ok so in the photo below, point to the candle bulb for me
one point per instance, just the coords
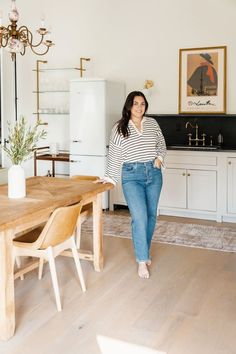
(42, 21)
(49, 33)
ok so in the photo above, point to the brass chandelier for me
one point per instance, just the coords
(16, 40)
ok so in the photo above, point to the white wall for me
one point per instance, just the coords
(130, 41)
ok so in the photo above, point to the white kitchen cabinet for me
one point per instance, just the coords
(189, 189)
(197, 185)
(231, 205)
(201, 190)
(171, 195)
(189, 185)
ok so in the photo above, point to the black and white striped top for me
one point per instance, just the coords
(138, 147)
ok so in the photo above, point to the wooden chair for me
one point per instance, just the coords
(47, 242)
(86, 211)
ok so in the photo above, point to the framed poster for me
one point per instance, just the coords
(202, 80)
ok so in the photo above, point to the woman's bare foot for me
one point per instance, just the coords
(149, 262)
(143, 270)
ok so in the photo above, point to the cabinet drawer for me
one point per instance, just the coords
(191, 160)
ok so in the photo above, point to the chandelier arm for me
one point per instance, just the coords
(23, 28)
(29, 37)
(5, 34)
(25, 33)
(40, 53)
(4, 29)
(4, 45)
(23, 51)
(4, 40)
(40, 42)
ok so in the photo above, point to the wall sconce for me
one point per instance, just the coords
(148, 84)
(147, 87)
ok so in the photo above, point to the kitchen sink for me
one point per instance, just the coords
(196, 148)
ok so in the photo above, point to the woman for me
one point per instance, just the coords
(137, 144)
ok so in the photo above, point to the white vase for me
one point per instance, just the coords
(16, 182)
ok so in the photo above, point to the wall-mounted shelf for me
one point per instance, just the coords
(56, 69)
(51, 91)
(60, 85)
(51, 113)
(57, 83)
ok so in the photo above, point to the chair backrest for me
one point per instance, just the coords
(60, 226)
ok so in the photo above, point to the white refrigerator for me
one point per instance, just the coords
(95, 105)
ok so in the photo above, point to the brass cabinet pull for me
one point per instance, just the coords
(183, 174)
(188, 174)
(229, 162)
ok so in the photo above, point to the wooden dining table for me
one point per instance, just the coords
(43, 195)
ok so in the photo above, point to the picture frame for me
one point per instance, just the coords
(202, 80)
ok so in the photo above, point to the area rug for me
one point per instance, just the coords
(191, 235)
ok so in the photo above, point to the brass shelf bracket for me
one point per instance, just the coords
(38, 62)
(81, 69)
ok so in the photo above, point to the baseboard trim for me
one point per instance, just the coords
(190, 214)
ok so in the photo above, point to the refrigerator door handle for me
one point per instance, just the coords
(77, 141)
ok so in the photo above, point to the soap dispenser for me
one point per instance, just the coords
(220, 139)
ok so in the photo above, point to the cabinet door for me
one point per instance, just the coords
(201, 190)
(173, 193)
(232, 185)
(87, 118)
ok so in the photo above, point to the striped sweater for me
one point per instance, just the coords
(138, 147)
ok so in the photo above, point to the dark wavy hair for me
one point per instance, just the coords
(122, 126)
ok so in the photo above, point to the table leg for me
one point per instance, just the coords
(53, 168)
(97, 233)
(7, 303)
(35, 164)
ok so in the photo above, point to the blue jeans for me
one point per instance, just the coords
(141, 183)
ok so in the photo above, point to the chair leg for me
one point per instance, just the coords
(54, 277)
(78, 233)
(77, 264)
(18, 263)
(41, 261)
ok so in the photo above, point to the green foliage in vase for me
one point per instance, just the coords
(22, 140)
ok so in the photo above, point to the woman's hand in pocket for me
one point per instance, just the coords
(157, 163)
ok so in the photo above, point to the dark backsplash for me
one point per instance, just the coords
(175, 133)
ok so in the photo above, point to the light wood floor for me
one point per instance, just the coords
(188, 306)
